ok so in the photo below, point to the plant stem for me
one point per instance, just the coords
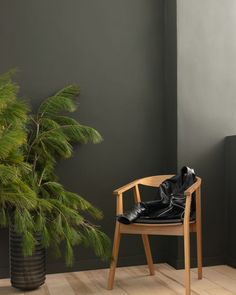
(36, 155)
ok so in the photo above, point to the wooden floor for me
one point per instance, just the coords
(218, 280)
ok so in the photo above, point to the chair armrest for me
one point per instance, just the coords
(188, 193)
(187, 210)
(125, 188)
(193, 187)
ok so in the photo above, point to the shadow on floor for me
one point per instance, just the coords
(8, 290)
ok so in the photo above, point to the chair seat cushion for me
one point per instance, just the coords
(162, 221)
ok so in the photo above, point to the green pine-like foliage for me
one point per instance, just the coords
(30, 147)
(17, 198)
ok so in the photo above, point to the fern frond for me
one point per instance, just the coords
(81, 133)
(8, 89)
(53, 188)
(81, 204)
(97, 240)
(3, 217)
(64, 100)
(8, 174)
(46, 158)
(76, 132)
(64, 120)
(69, 213)
(28, 243)
(46, 241)
(18, 195)
(15, 113)
(23, 221)
(44, 205)
(69, 253)
(55, 142)
(47, 124)
(7, 94)
(10, 140)
(6, 77)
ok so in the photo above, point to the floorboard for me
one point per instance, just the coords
(134, 280)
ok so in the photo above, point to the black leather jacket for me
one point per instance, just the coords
(169, 207)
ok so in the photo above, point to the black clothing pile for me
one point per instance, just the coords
(170, 206)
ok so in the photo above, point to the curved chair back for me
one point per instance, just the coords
(154, 181)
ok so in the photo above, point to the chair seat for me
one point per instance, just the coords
(162, 221)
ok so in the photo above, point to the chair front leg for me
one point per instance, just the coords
(187, 244)
(199, 232)
(148, 253)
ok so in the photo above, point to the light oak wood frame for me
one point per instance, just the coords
(176, 229)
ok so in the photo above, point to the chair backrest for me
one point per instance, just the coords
(154, 181)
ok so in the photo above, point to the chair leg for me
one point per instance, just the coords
(115, 252)
(199, 233)
(148, 254)
(199, 251)
(187, 260)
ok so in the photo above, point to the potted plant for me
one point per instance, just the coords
(53, 215)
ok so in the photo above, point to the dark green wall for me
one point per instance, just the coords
(161, 92)
(115, 51)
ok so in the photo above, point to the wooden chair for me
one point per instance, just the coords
(174, 229)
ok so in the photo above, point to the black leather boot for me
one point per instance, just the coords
(130, 216)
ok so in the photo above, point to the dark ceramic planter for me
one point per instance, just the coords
(27, 273)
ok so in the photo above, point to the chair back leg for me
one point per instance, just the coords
(115, 253)
(199, 253)
(187, 259)
(148, 253)
(199, 233)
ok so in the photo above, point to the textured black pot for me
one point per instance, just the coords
(27, 273)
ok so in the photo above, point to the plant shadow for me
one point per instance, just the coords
(8, 290)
